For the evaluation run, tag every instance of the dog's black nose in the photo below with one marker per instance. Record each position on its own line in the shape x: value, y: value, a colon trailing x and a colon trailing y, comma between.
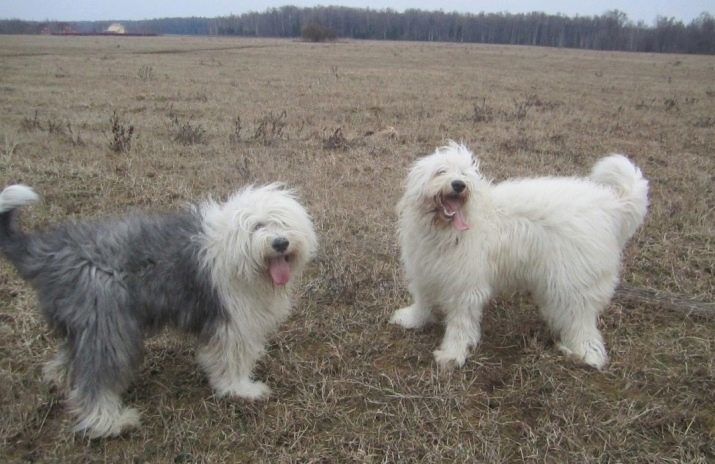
x: 280, y: 244
x: 458, y: 186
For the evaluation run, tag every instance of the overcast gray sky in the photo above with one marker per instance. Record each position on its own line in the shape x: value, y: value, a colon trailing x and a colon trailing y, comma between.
x: 77, y: 10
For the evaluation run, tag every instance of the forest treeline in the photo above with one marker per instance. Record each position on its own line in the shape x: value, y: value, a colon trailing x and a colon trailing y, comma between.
x: 609, y: 31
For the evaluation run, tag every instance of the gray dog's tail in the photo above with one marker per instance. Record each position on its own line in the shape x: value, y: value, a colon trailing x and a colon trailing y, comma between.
x: 624, y: 177
x: 13, y: 242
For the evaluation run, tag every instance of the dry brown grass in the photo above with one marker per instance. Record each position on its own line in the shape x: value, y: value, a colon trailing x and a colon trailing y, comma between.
x: 348, y: 387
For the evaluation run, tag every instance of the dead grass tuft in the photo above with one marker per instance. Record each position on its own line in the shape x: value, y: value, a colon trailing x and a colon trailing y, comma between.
x: 9, y: 146
x: 186, y: 132
x: 121, y: 139
x: 235, y: 136
x: 31, y: 124
x: 145, y: 72
x: 336, y: 140
x: 270, y: 127
x: 481, y: 112
x: 60, y: 129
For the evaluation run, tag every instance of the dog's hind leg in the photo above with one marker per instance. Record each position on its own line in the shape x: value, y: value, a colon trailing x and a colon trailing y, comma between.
x: 575, y: 322
x: 583, y: 341
x: 463, y: 331
x: 100, y: 372
x: 228, y: 359
x: 104, y: 348
x: 102, y: 414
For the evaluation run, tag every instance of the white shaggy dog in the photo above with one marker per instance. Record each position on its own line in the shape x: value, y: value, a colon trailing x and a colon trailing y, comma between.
x: 465, y: 239
x: 221, y: 271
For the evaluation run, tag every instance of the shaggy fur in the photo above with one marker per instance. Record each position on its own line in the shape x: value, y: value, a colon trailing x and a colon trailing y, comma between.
x: 221, y: 271
x: 464, y: 240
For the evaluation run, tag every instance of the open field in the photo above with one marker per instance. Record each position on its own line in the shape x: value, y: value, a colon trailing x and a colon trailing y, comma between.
x: 212, y: 114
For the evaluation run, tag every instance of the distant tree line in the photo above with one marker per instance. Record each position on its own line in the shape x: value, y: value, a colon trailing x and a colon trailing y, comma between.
x: 609, y: 31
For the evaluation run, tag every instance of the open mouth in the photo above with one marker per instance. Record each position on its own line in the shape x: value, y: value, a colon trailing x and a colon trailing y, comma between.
x: 279, y: 269
x: 450, y: 208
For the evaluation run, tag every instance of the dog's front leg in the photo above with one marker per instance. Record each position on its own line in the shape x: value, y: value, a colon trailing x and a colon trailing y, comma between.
x: 463, y: 330
x: 417, y: 314
x: 228, y: 359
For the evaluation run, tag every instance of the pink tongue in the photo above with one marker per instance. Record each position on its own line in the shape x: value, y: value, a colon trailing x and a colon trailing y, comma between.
x: 458, y: 221
x: 279, y: 270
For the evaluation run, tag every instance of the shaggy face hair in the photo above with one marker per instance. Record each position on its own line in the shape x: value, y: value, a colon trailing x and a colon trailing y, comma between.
x: 221, y: 271
x: 464, y: 240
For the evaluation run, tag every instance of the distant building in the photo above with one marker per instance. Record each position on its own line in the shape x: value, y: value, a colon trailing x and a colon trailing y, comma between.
x: 116, y: 28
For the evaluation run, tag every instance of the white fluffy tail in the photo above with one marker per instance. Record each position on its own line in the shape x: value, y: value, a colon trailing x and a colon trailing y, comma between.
x: 16, y: 196
x: 624, y: 177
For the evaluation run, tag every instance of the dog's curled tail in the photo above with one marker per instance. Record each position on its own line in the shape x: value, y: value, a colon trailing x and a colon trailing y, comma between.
x: 12, y: 241
x: 15, y: 196
x: 624, y: 177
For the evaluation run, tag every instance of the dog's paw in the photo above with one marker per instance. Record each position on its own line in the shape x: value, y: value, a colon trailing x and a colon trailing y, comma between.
x: 410, y: 317
x: 103, y: 423
x: 590, y: 352
x: 55, y: 374
x: 247, y: 390
x: 595, y: 354
x: 447, y: 359
x: 129, y: 419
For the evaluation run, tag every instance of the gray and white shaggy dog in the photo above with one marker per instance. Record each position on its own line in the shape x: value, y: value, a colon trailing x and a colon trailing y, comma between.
x: 223, y: 271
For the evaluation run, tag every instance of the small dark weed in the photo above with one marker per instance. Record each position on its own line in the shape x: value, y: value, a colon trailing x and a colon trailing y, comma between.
x: 243, y: 168
x: 145, y: 72
x: 235, y: 136
x: 73, y: 136
x: 336, y: 140
x: 481, y: 112
x: 558, y: 139
x: 704, y: 122
x: 270, y: 127
x: 9, y: 147
x: 520, y: 110
x: 186, y: 133
x: 55, y: 127
x: 518, y: 143
x: 30, y: 125
x: 62, y: 129
x: 200, y: 97
x: 121, y: 141
x: 523, y: 106
x: 532, y: 100
x: 670, y: 104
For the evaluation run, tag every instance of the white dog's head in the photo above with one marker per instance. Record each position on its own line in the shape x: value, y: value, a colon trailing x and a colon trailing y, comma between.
x: 440, y: 185
x: 258, y: 233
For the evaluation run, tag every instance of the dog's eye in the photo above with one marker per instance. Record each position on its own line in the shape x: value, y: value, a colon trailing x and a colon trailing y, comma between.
x: 441, y: 172
x: 258, y: 226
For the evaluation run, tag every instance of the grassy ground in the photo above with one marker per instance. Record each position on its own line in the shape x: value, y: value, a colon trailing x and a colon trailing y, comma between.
x: 342, y: 122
